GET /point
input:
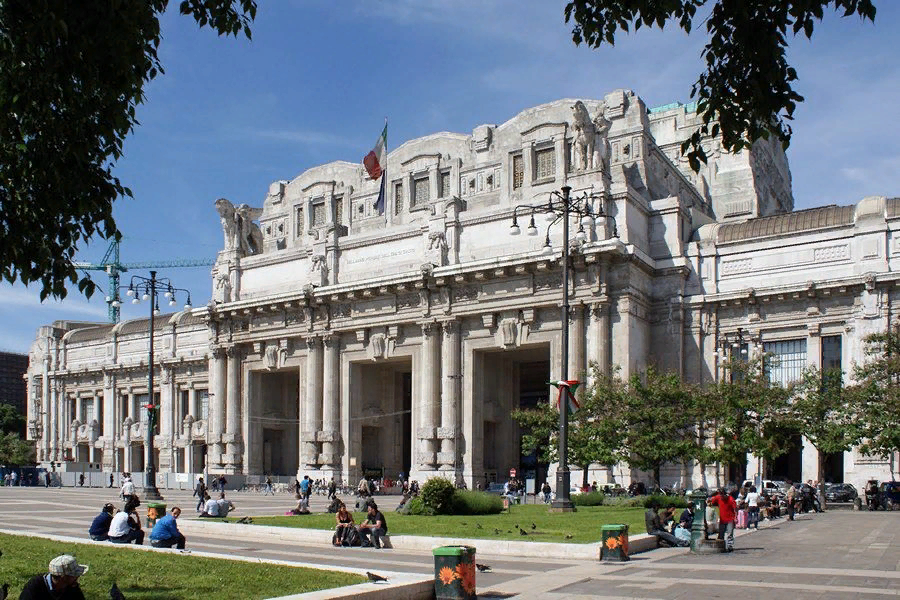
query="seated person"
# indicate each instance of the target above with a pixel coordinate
(302, 506)
(99, 530)
(668, 518)
(686, 519)
(165, 533)
(655, 527)
(344, 525)
(126, 525)
(61, 583)
(374, 528)
(335, 505)
(210, 507)
(225, 506)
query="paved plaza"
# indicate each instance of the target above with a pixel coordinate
(836, 555)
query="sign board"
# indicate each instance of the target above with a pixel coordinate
(512, 472)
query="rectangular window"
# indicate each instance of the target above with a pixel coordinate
(142, 405)
(202, 409)
(88, 410)
(445, 184)
(398, 197)
(545, 163)
(518, 169)
(831, 353)
(318, 213)
(301, 225)
(339, 210)
(785, 360)
(420, 192)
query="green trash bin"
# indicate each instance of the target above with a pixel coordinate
(454, 572)
(155, 511)
(614, 543)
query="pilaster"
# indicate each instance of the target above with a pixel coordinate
(429, 401)
(450, 396)
(232, 437)
(311, 405)
(331, 403)
(215, 426)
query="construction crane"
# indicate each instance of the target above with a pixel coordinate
(113, 267)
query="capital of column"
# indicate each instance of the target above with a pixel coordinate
(430, 328)
(313, 342)
(218, 352)
(332, 340)
(451, 326)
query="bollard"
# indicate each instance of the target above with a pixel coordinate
(614, 543)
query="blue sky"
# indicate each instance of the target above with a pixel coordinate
(230, 115)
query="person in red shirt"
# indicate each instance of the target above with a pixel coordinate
(727, 515)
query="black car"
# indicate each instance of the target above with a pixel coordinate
(840, 492)
(889, 495)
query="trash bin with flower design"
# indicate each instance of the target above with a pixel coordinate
(454, 572)
(614, 546)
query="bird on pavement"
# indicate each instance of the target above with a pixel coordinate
(483, 568)
(523, 532)
(533, 526)
(375, 578)
(4, 591)
(115, 593)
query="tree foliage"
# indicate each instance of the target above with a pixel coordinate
(15, 451)
(747, 90)
(71, 77)
(11, 420)
(876, 395)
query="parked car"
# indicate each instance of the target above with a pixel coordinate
(889, 495)
(840, 492)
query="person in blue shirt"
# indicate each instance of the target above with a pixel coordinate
(304, 486)
(99, 530)
(165, 533)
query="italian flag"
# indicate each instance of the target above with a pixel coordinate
(376, 160)
(567, 388)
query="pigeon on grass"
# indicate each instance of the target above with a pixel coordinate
(115, 593)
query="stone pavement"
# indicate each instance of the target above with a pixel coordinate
(839, 554)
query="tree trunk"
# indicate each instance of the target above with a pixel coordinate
(656, 470)
(584, 476)
(821, 477)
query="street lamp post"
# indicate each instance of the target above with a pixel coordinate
(560, 207)
(148, 289)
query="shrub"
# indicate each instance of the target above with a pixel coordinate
(437, 494)
(663, 501)
(588, 499)
(469, 502)
(417, 507)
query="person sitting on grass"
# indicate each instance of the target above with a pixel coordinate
(655, 527)
(126, 525)
(302, 505)
(60, 583)
(165, 533)
(374, 528)
(225, 506)
(345, 525)
(210, 507)
(99, 530)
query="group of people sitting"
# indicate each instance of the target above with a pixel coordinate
(667, 530)
(216, 508)
(369, 533)
(124, 527)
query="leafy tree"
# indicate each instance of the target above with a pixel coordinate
(11, 420)
(746, 413)
(746, 92)
(15, 451)
(71, 77)
(876, 396)
(594, 434)
(823, 413)
(659, 421)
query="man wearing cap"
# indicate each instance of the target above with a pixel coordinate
(60, 583)
(99, 530)
(165, 533)
(727, 514)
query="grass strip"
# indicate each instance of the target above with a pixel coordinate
(161, 575)
(580, 527)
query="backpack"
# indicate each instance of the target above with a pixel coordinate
(351, 539)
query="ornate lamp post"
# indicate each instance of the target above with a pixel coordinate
(139, 289)
(560, 207)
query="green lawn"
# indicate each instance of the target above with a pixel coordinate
(158, 575)
(583, 526)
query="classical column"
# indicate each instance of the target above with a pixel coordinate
(45, 410)
(450, 395)
(109, 420)
(331, 403)
(79, 407)
(166, 416)
(430, 401)
(312, 411)
(54, 403)
(601, 334)
(215, 425)
(577, 367)
(232, 436)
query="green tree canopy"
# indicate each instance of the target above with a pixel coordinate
(15, 451)
(71, 77)
(876, 396)
(747, 90)
(11, 420)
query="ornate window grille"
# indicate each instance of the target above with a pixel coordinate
(545, 163)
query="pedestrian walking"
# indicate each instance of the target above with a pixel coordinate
(269, 489)
(111, 480)
(752, 500)
(46, 478)
(200, 492)
(727, 514)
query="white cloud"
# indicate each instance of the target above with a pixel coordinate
(19, 297)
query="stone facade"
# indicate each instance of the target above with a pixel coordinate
(340, 340)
